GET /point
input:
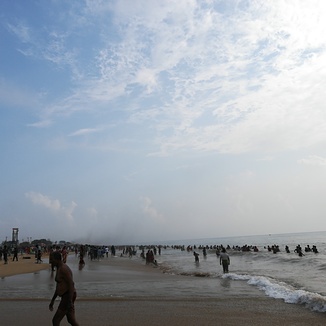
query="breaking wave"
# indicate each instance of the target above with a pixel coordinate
(284, 291)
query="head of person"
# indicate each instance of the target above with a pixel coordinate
(56, 258)
(223, 250)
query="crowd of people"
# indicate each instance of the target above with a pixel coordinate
(58, 258)
(93, 252)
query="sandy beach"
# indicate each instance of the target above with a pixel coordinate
(25, 264)
(149, 310)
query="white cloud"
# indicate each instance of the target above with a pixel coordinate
(68, 211)
(147, 77)
(40, 124)
(52, 204)
(85, 131)
(42, 200)
(150, 211)
(246, 79)
(313, 160)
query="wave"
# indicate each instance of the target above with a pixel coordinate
(284, 291)
(171, 271)
(196, 274)
(168, 269)
(322, 267)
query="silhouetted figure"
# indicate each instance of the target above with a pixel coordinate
(196, 257)
(15, 254)
(224, 261)
(5, 254)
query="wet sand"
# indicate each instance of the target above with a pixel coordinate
(157, 310)
(22, 266)
(162, 312)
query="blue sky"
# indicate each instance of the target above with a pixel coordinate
(139, 121)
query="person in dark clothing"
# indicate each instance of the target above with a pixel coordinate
(15, 254)
(5, 254)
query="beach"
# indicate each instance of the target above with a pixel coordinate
(161, 312)
(148, 303)
(25, 264)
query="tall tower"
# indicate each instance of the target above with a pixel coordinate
(15, 235)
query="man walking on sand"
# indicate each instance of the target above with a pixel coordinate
(65, 289)
(5, 254)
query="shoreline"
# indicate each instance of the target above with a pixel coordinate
(228, 307)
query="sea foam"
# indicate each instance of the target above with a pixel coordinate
(284, 291)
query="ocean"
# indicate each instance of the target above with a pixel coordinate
(283, 276)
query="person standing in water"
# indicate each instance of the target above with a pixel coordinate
(224, 261)
(65, 289)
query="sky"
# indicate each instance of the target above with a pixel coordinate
(136, 121)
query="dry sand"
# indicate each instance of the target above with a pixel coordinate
(153, 311)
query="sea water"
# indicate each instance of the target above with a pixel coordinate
(283, 276)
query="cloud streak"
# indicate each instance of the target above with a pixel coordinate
(84, 131)
(313, 160)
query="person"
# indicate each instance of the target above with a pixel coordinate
(64, 254)
(5, 254)
(218, 251)
(81, 255)
(150, 257)
(52, 249)
(204, 252)
(196, 257)
(65, 288)
(314, 249)
(298, 250)
(224, 261)
(15, 254)
(38, 254)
